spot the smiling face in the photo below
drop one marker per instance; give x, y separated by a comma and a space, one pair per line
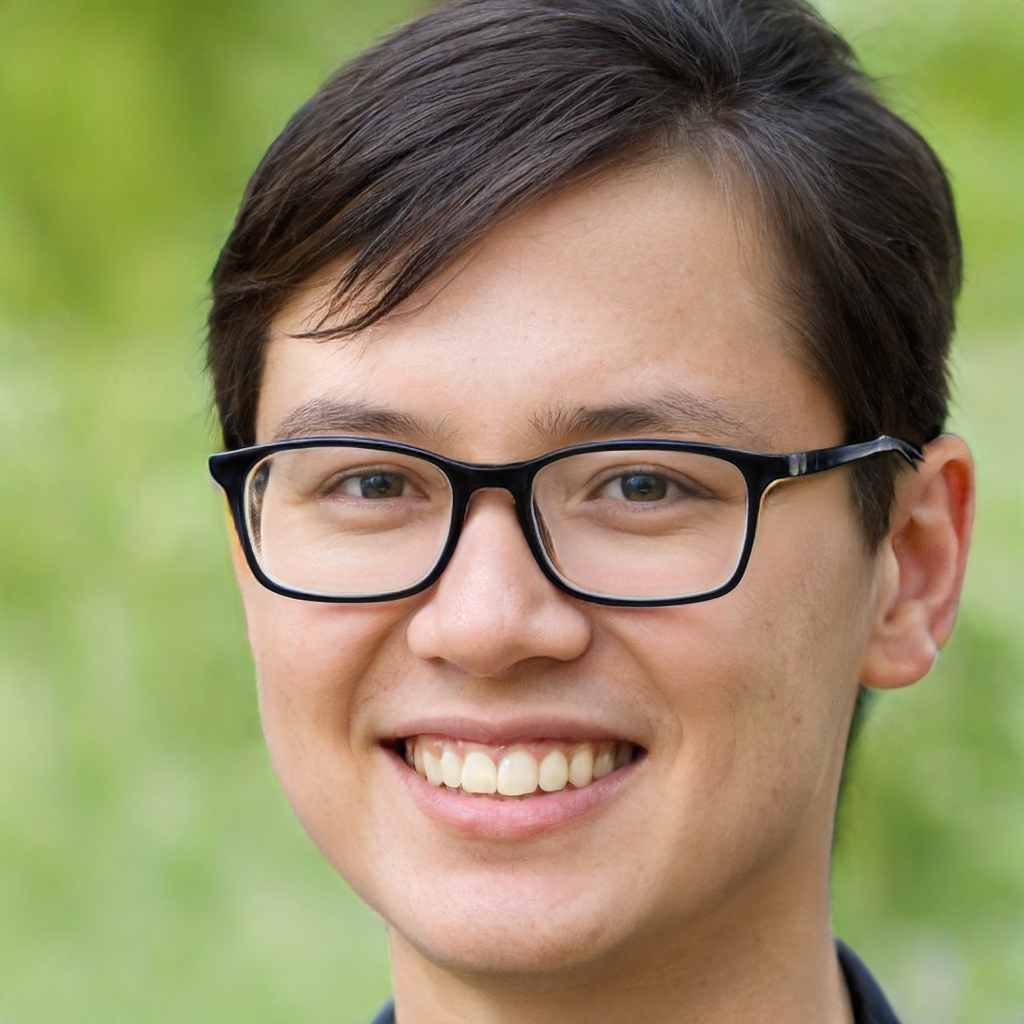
633, 306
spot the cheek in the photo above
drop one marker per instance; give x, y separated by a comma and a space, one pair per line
807, 597
313, 668
306, 652
757, 686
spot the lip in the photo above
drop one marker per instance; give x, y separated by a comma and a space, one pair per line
508, 731
508, 820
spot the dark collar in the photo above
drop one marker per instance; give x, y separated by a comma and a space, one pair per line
868, 1001
386, 1015
869, 1004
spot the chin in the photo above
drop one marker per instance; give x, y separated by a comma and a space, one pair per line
516, 932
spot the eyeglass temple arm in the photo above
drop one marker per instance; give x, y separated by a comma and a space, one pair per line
817, 461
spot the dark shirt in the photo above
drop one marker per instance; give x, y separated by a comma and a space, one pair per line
868, 1001
869, 1004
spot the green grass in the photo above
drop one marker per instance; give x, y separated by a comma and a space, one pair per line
151, 869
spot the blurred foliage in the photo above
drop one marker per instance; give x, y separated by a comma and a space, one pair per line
152, 870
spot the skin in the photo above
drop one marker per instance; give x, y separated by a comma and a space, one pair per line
697, 888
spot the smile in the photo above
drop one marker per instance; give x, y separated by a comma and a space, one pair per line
520, 770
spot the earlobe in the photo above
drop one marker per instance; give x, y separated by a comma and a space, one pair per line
922, 565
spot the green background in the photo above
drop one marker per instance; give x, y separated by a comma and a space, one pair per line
150, 869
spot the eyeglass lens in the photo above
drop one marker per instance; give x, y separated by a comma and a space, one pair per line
358, 522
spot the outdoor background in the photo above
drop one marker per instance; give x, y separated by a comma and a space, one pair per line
150, 869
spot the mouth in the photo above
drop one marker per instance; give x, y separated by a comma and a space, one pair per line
528, 770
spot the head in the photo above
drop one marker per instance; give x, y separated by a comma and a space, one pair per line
519, 225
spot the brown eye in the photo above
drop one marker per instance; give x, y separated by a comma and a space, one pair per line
643, 487
376, 485
640, 486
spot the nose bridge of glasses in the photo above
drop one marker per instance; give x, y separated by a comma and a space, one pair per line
467, 480
514, 479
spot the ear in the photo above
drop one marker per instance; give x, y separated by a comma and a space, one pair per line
922, 565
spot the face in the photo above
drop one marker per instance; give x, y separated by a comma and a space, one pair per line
633, 306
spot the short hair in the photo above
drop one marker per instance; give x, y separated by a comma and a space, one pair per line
477, 109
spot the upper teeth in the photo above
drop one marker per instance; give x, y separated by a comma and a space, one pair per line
516, 770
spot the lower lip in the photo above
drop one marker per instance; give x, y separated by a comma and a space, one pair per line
489, 818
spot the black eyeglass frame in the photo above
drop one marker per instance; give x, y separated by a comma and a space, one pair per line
231, 470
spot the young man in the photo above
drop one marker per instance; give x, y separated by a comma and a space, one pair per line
582, 369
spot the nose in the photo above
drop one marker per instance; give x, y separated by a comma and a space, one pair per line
493, 607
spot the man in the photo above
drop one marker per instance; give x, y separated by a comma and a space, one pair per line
582, 369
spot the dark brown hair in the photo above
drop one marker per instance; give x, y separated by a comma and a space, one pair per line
478, 108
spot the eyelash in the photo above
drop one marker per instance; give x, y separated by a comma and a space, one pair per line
676, 486
336, 484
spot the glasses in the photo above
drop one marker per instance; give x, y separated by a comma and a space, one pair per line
638, 523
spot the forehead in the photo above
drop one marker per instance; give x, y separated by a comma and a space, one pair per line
636, 304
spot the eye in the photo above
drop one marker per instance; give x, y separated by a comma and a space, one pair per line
640, 486
375, 485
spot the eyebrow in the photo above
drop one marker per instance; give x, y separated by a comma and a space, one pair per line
679, 413
329, 418
676, 413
